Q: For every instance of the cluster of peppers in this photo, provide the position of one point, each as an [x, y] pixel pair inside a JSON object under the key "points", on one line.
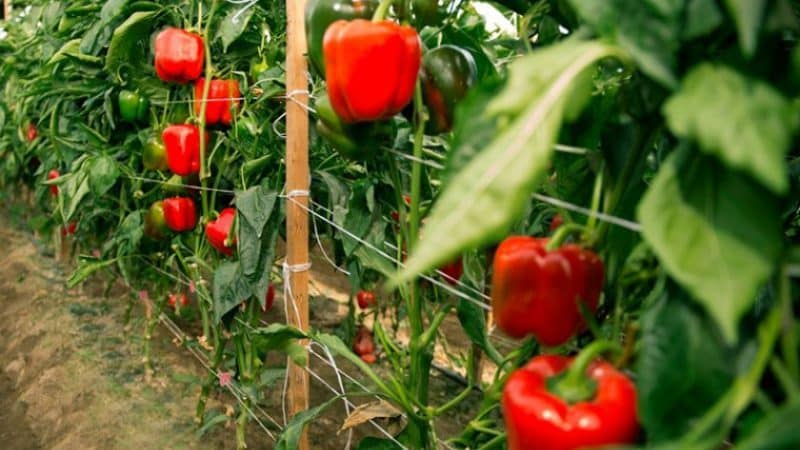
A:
{"points": [[179, 58], [539, 288], [371, 70]]}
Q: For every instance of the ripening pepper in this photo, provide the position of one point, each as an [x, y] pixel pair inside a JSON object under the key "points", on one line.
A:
{"points": [[366, 299], [182, 143], [269, 298], [448, 72], [179, 55], [357, 141], [32, 132], [155, 224], [538, 417], [52, 175], [154, 155], [132, 106], [179, 300], [371, 68], [218, 232], [180, 214], [223, 100], [320, 14], [536, 291], [452, 271]]}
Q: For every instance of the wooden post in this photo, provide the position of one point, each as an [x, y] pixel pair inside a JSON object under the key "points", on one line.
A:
{"points": [[297, 181], [5, 9]]}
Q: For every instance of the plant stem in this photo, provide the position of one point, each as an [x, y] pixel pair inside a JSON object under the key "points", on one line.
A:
{"points": [[206, 389], [789, 345], [382, 11], [209, 73]]}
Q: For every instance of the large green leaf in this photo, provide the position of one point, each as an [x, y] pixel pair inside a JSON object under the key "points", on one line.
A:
{"points": [[230, 288], [130, 41], [715, 230], [648, 29], [290, 437], [482, 201], [747, 14], [745, 123], [776, 431], [103, 174], [683, 367], [233, 25]]}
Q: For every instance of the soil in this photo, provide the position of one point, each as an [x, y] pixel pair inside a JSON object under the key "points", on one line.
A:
{"points": [[71, 372]]}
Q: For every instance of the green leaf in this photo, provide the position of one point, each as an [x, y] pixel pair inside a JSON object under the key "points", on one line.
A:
{"points": [[374, 443], [648, 29], [776, 431], [130, 41], [233, 25], [103, 172], [745, 123], [290, 437], [715, 231], [481, 202], [702, 16], [683, 367], [283, 338], [71, 193], [747, 14], [99, 34], [255, 206], [230, 288]]}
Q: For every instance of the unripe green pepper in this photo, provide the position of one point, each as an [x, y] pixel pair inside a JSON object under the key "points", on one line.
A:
{"points": [[132, 106], [448, 72], [321, 13], [427, 12], [154, 155], [155, 226]]}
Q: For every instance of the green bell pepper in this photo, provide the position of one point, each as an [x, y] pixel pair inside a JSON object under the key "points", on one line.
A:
{"points": [[132, 106], [357, 142], [448, 72]]}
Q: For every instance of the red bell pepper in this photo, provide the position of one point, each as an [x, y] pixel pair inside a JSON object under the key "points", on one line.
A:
{"points": [[179, 55], [270, 298], [52, 175], [32, 132], [183, 148], [536, 291], [365, 299], [180, 214], [452, 272], [69, 229], [223, 100], [371, 68], [179, 300], [218, 231], [363, 343], [538, 418]]}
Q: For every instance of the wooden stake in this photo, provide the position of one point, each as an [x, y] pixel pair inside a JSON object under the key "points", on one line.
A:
{"points": [[297, 181], [5, 10]]}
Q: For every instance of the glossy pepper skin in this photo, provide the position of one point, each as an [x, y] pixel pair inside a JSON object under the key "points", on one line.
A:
{"points": [[537, 292], [180, 214], [448, 72], [537, 419], [217, 231], [357, 142], [223, 100], [371, 68], [320, 14], [154, 155], [32, 133], [452, 271], [155, 224], [133, 107], [365, 299], [179, 55], [182, 143]]}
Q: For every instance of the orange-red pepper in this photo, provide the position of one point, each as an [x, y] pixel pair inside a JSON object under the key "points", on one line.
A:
{"points": [[371, 68], [223, 100], [179, 55]]}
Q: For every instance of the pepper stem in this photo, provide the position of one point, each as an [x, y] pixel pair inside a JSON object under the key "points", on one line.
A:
{"points": [[382, 11], [562, 234], [573, 385]]}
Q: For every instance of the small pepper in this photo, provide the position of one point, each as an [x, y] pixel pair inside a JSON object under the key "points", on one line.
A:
{"points": [[180, 214], [218, 232], [179, 300], [179, 55], [154, 155], [371, 68], [155, 225], [365, 299], [270, 298], [183, 148], [132, 106], [362, 343], [536, 291], [223, 100], [452, 272], [539, 418], [32, 132]]}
